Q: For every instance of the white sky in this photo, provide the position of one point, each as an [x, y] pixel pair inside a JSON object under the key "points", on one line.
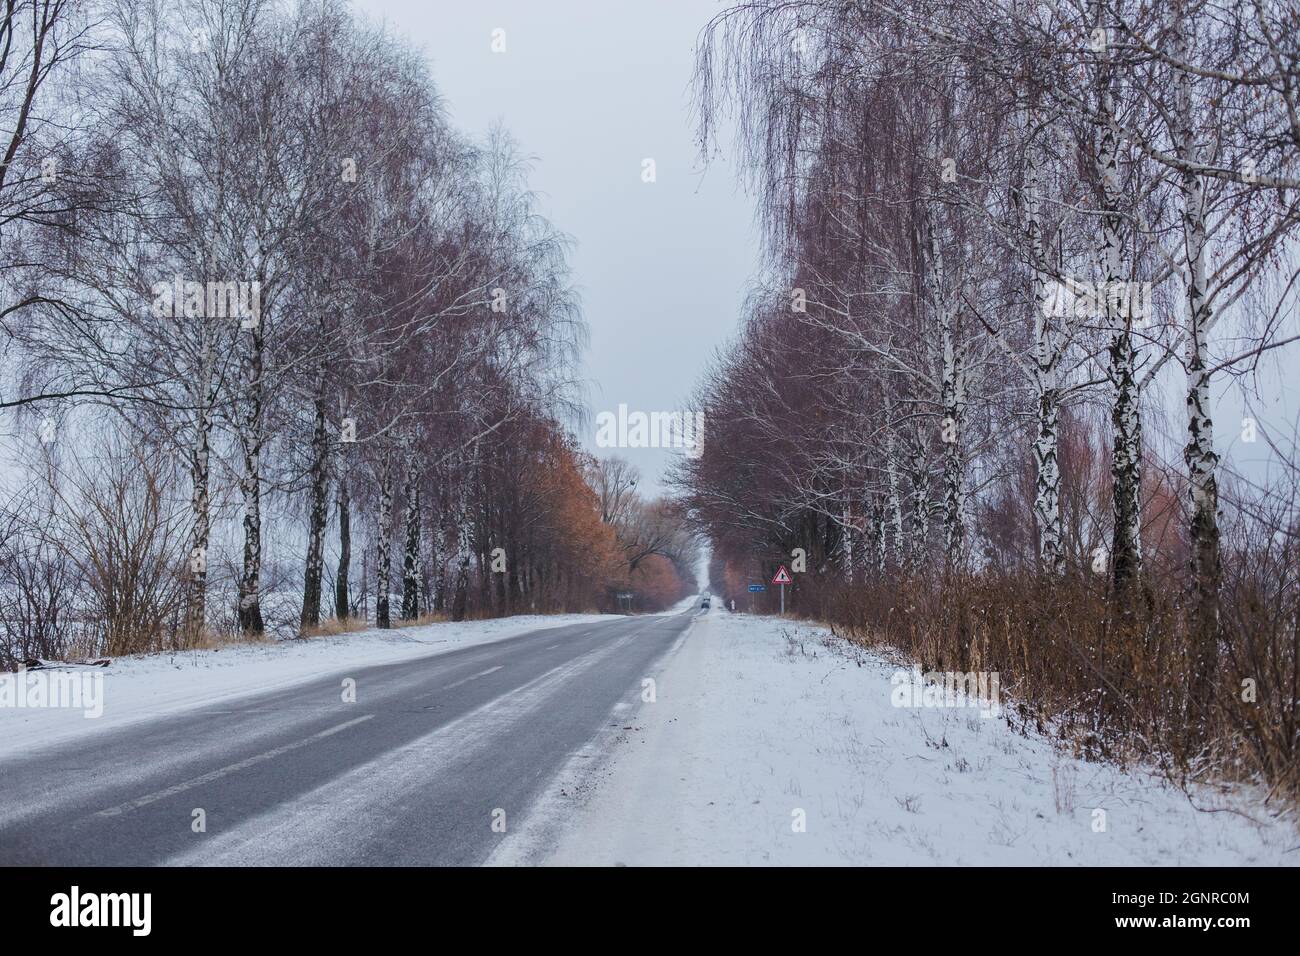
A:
{"points": [[591, 89]]}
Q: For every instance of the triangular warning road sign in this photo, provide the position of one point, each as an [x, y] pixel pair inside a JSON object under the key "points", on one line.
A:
{"points": [[782, 576]]}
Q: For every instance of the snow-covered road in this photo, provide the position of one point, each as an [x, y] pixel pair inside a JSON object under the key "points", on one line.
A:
{"points": [[150, 687], [407, 756], [770, 743], [671, 739]]}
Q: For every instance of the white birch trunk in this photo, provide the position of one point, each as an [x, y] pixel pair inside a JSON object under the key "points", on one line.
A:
{"points": [[1047, 473], [846, 545], [200, 494], [952, 401], [894, 499], [383, 561], [1126, 417], [314, 571], [1202, 462], [343, 504], [411, 557], [250, 486], [460, 597]]}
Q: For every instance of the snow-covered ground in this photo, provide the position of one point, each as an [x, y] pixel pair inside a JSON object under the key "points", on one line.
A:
{"points": [[144, 687], [767, 742], [759, 725]]}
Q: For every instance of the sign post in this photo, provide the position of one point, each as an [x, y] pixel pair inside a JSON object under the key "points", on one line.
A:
{"points": [[782, 578]]}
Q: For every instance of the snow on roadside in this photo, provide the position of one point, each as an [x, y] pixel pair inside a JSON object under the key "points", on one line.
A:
{"points": [[758, 719], [142, 687]]}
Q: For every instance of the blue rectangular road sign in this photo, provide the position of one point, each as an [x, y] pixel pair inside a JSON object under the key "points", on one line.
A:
{"points": [[758, 587]]}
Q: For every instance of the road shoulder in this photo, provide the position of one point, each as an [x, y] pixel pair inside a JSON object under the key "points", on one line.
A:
{"points": [[146, 687], [771, 743]]}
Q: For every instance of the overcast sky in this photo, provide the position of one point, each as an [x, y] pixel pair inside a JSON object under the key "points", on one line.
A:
{"points": [[591, 89]]}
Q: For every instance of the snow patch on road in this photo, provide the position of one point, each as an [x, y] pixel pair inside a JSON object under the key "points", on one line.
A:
{"points": [[143, 687], [343, 820], [761, 724]]}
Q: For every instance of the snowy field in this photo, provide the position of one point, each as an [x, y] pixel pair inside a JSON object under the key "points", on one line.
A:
{"points": [[760, 724], [144, 687]]}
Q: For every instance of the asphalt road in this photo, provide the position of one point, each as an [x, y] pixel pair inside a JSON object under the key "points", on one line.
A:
{"points": [[416, 771]]}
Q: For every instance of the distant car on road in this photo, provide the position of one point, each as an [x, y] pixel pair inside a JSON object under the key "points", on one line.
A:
{"points": [[705, 603]]}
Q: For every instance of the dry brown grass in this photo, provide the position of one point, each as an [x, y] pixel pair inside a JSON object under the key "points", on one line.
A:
{"points": [[1114, 682], [430, 617], [333, 626], [211, 639]]}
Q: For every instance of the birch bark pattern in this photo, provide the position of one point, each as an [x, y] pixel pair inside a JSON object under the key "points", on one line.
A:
{"points": [[314, 571], [1126, 414], [343, 503], [200, 499], [411, 556], [1202, 462], [463, 556], [383, 560], [846, 543], [250, 486], [894, 500], [1047, 473], [952, 402]]}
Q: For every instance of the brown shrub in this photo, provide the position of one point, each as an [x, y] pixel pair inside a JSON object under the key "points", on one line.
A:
{"points": [[1113, 680]]}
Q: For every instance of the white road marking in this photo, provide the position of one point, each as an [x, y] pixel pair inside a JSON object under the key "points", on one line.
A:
{"points": [[339, 816], [466, 680], [223, 771]]}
